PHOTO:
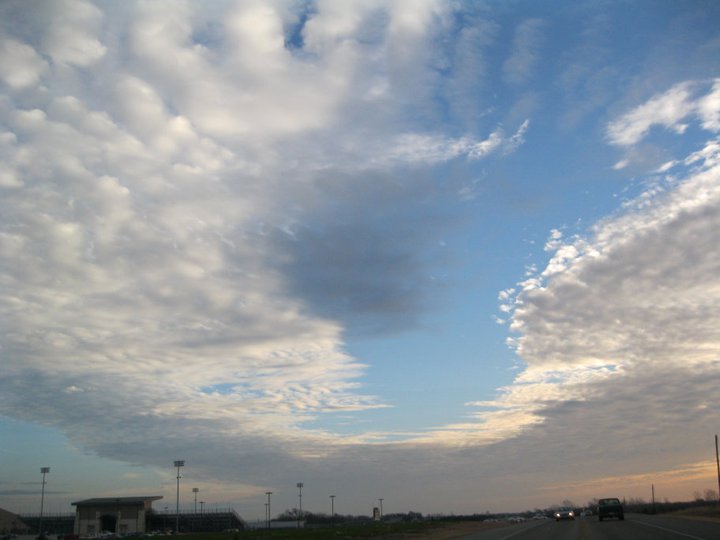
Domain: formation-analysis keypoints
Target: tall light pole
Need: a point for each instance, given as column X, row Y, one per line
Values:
column 268, row 493
column 332, row 509
column 195, row 491
column 202, row 503
column 44, row 471
column 717, row 461
column 178, row 464
column 381, row 510
column 300, row 486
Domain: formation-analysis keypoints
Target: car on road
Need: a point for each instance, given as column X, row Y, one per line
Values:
column 564, row 513
column 610, row 507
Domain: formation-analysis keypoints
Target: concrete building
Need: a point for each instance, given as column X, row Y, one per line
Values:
column 122, row 515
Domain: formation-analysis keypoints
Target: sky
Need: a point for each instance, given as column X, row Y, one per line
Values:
column 461, row 256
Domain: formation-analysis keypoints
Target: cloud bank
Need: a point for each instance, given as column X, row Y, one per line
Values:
column 175, row 242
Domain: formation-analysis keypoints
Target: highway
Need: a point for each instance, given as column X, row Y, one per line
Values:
column 634, row 527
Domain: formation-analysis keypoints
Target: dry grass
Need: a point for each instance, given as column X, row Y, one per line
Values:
column 705, row 513
column 448, row 531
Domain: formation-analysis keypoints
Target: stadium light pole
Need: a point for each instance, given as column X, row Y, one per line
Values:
column 178, row 464
column 268, row 493
column 332, row 509
column 300, row 486
column 195, row 491
column 381, row 508
column 44, row 471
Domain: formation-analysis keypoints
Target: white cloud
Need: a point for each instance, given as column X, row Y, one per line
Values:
column 640, row 294
column 623, row 163
column 73, row 37
column 417, row 148
column 136, row 217
column 668, row 109
column 709, row 108
column 20, row 65
column 146, row 300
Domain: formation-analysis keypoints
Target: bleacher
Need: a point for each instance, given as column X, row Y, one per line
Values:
column 51, row 523
column 214, row 520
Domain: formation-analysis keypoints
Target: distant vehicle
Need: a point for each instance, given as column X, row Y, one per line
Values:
column 564, row 513
column 586, row 513
column 611, row 507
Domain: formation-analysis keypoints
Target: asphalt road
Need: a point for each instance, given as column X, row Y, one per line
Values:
column 633, row 527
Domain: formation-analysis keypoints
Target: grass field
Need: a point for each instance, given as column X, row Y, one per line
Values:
column 707, row 512
column 373, row 530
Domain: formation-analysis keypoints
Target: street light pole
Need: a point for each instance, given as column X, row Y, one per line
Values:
column 44, row 471
column 195, row 491
column 268, row 493
column 178, row 464
column 381, row 508
column 332, row 509
column 300, row 486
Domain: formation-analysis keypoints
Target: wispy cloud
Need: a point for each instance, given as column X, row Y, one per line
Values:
column 670, row 109
column 528, row 39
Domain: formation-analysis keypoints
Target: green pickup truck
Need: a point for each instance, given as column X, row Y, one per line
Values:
column 610, row 508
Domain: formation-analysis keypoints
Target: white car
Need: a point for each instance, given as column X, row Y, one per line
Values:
column 564, row 513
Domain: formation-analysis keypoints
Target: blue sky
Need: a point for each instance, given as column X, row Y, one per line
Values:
column 370, row 246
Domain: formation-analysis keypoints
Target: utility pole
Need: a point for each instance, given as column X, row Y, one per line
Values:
column 332, row 509
column 717, row 460
column 653, row 498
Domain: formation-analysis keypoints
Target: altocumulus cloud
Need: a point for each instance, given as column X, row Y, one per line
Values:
column 619, row 336
column 619, row 332
column 175, row 181
column 161, row 179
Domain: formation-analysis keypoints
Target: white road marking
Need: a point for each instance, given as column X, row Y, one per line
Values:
column 669, row 530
